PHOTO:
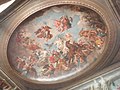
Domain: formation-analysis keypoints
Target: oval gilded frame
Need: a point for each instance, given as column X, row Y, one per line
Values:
column 27, row 10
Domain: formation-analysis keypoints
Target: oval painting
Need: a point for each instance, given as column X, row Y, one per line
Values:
column 57, row 42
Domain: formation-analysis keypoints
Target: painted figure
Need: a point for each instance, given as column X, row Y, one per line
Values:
column 63, row 23
column 44, row 32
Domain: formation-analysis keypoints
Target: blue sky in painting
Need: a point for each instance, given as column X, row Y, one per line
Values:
column 50, row 16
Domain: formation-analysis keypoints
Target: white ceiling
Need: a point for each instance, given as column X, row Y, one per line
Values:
column 5, row 5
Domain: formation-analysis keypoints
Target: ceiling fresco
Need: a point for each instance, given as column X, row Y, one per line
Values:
column 57, row 42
